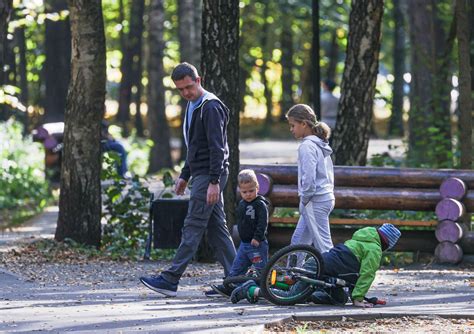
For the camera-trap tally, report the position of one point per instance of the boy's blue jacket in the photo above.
(367, 247)
(252, 219)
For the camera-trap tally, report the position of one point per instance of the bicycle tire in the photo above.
(277, 297)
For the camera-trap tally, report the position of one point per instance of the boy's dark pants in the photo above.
(340, 262)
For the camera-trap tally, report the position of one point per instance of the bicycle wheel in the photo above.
(282, 279)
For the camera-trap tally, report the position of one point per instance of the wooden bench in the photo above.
(366, 188)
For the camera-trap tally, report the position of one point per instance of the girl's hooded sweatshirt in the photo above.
(315, 170)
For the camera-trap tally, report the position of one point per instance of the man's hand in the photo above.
(180, 186)
(213, 192)
(362, 303)
(255, 243)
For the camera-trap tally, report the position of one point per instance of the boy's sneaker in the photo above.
(159, 284)
(242, 292)
(219, 290)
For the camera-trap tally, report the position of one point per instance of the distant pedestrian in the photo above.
(329, 103)
(109, 143)
(315, 178)
(205, 133)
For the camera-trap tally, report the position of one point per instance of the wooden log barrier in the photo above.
(449, 209)
(467, 242)
(453, 188)
(265, 184)
(356, 176)
(448, 252)
(372, 198)
(410, 241)
(449, 231)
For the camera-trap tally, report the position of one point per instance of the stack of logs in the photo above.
(371, 188)
(454, 221)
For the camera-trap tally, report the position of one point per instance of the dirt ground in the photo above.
(419, 324)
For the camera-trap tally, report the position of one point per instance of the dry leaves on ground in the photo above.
(407, 324)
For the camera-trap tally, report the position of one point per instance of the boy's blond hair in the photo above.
(247, 176)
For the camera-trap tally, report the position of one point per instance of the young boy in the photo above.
(252, 222)
(360, 255)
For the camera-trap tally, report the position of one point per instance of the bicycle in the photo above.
(294, 273)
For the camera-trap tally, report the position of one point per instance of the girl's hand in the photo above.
(362, 303)
(254, 243)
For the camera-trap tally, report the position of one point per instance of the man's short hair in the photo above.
(330, 84)
(247, 176)
(184, 69)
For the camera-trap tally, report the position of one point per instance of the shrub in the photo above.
(23, 188)
(126, 212)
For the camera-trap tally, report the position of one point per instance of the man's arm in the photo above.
(215, 119)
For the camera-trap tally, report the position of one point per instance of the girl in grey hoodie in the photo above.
(315, 178)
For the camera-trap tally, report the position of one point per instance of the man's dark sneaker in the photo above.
(219, 290)
(159, 284)
(242, 292)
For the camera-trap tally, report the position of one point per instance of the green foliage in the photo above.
(384, 214)
(397, 259)
(23, 189)
(138, 150)
(286, 212)
(385, 159)
(126, 212)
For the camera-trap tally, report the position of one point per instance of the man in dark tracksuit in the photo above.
(205, 133)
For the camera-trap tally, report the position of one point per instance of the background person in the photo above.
(109, 143)
(329, 103)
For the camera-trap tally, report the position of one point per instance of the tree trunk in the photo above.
(287, 67)
(316, 71)
(429, 122)
(80, 200)
(333, 55)
(220, 69)
(358, 83)
(22, 74)
(266, 57)
(57, 65)
(10, 63)
(129, 65)
(465, 89)
(189, 32)
(396, 120)
(5, 12)
(160, 155)
(246, 60)
(137, 68)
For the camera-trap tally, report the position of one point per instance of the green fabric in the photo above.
(251, 291)
(366, 246)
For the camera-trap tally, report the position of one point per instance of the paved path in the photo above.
(285, 151)
(78, 302)
(125, 306)
(74, 300)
